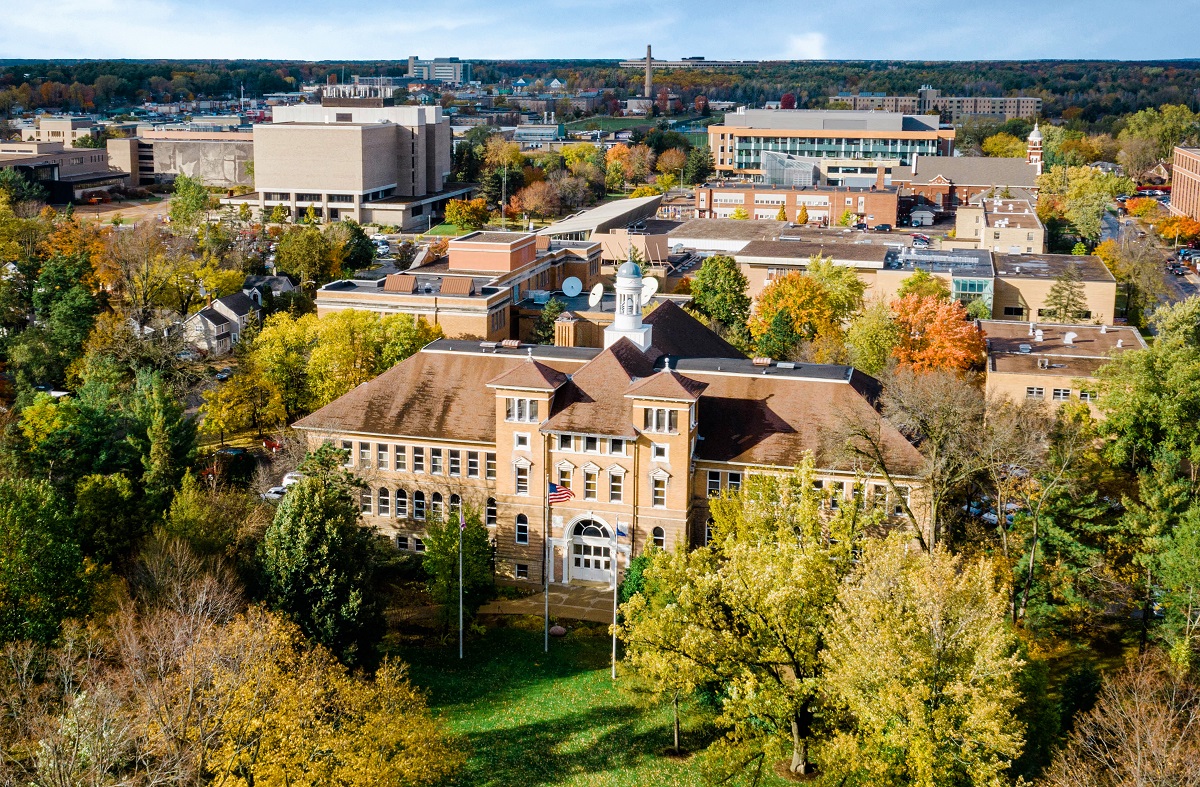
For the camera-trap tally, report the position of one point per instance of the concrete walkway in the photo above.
(573, 602)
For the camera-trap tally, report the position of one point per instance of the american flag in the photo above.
(560, 494)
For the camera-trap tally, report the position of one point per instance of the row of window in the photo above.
(389, 456)
(378, 502)
(1021, 311)
(1058, 394)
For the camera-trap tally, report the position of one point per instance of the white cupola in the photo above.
(627, 322)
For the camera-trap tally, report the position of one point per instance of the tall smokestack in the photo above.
(649, 75)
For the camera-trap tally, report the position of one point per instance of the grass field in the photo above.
(527, 718)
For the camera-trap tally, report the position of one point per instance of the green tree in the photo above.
(307, 253)
(923, 284)
(441, 564)
(161, 436)
(318, 560)
(349, 243)
(543, 329)
(244, 213)
(842, 286)
(42, 574)
(1079, 249)
(699, 166)
(1066, 301)
(780, 340)
(1178, 562)
(719, 291)
(922, 660)
(189, 202)
(110, 521)
(872, 337)
(847, 218)
(279, 215)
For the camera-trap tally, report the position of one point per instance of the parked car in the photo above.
(274, 493)
(882, 228)
(860, 226)
(224, 374)
(190, 356)
(921, 244)
(921, 236)
(378, 236)
(291, 478)
(232, 465)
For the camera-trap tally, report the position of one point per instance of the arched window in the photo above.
(660, 537)
(490, 512)
(522, 529)
(435, 505)
(365, 501)
(401, 504)
(418, 505)
(384, 502)
(455, 506)
(590, 529)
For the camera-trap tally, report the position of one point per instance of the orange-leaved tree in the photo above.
(804, 301)
(935, 334)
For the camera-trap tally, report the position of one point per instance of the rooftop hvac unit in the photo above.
(1070, 337)
(1038, 335)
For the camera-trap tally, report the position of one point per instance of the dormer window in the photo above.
(661, 420)
(522, 411)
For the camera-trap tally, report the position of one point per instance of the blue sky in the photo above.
(492, 29)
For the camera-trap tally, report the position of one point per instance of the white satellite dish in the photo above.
(596, 296)
(572, 286)
(649, 287)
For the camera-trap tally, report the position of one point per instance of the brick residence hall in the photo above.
(642, 432)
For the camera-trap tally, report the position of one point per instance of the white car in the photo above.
(274, 493)
(291, 478)
(378, 236)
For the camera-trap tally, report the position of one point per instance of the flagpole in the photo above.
(461, 525)
(546, 547)
(616, 558)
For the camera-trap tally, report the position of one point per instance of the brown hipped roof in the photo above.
(667, 385)
(594, 401)
(678, 334)
(531, 375)
(434, 395)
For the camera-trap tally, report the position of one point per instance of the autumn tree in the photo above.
(841, 284)
(782, 214)
(540, 199)
(872, 338)
(924, 284)
(671, 161)
(935, 334)
(500, 153)
(922, 662)
(1004, 145)
(467, 215)
(802, 216)
(802, 299)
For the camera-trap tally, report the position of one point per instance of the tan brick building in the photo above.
(825, 206)
(1050, 362)
(1009, 226)
(642, 437)
(1024, 280)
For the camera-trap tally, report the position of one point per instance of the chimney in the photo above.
(914, 164)
(649, 74)
(879, 178)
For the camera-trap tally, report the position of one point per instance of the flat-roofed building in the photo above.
(738, 144)
(946, 182)
(215, 158)
(619, 226)
(824, 206)
(1009, 226)
(474, 291)
(930, 100)
(65, 129)
(1023, 282)
(1049, 362)
(67, 174)
(1185, 183)
(362, 159)
(439, 69)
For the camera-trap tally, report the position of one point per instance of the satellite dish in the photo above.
(649, 287)
(596, 296)
(572, 286)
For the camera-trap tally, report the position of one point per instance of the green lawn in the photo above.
(527, 718)
(445, 229)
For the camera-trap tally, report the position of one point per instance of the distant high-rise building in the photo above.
(440, 69)
(930, 101)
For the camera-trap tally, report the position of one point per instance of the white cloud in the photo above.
(808, 46)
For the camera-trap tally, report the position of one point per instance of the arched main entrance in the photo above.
(591, 552)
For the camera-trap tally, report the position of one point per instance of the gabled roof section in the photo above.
(530, 376)
(239, 303)
(680, 335)
(213, 316)
(594, 401)
(667, 385)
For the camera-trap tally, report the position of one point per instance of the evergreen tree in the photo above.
(1066, 301)
(543, 329)
(780, 340)
(802, 216)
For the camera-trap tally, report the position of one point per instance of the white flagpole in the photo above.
(461, 525)
(615, 558)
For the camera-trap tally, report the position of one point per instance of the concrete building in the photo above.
(216, 158)
(1185, 183)
(475, 291)
(1049, 362)
(440, 69)
(1024, 280)
(67, 174)
(642, 434)
(739, 143)
(930, 101)
(824, 206)
(360, 159)
(1000, 225)
(67, 130)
